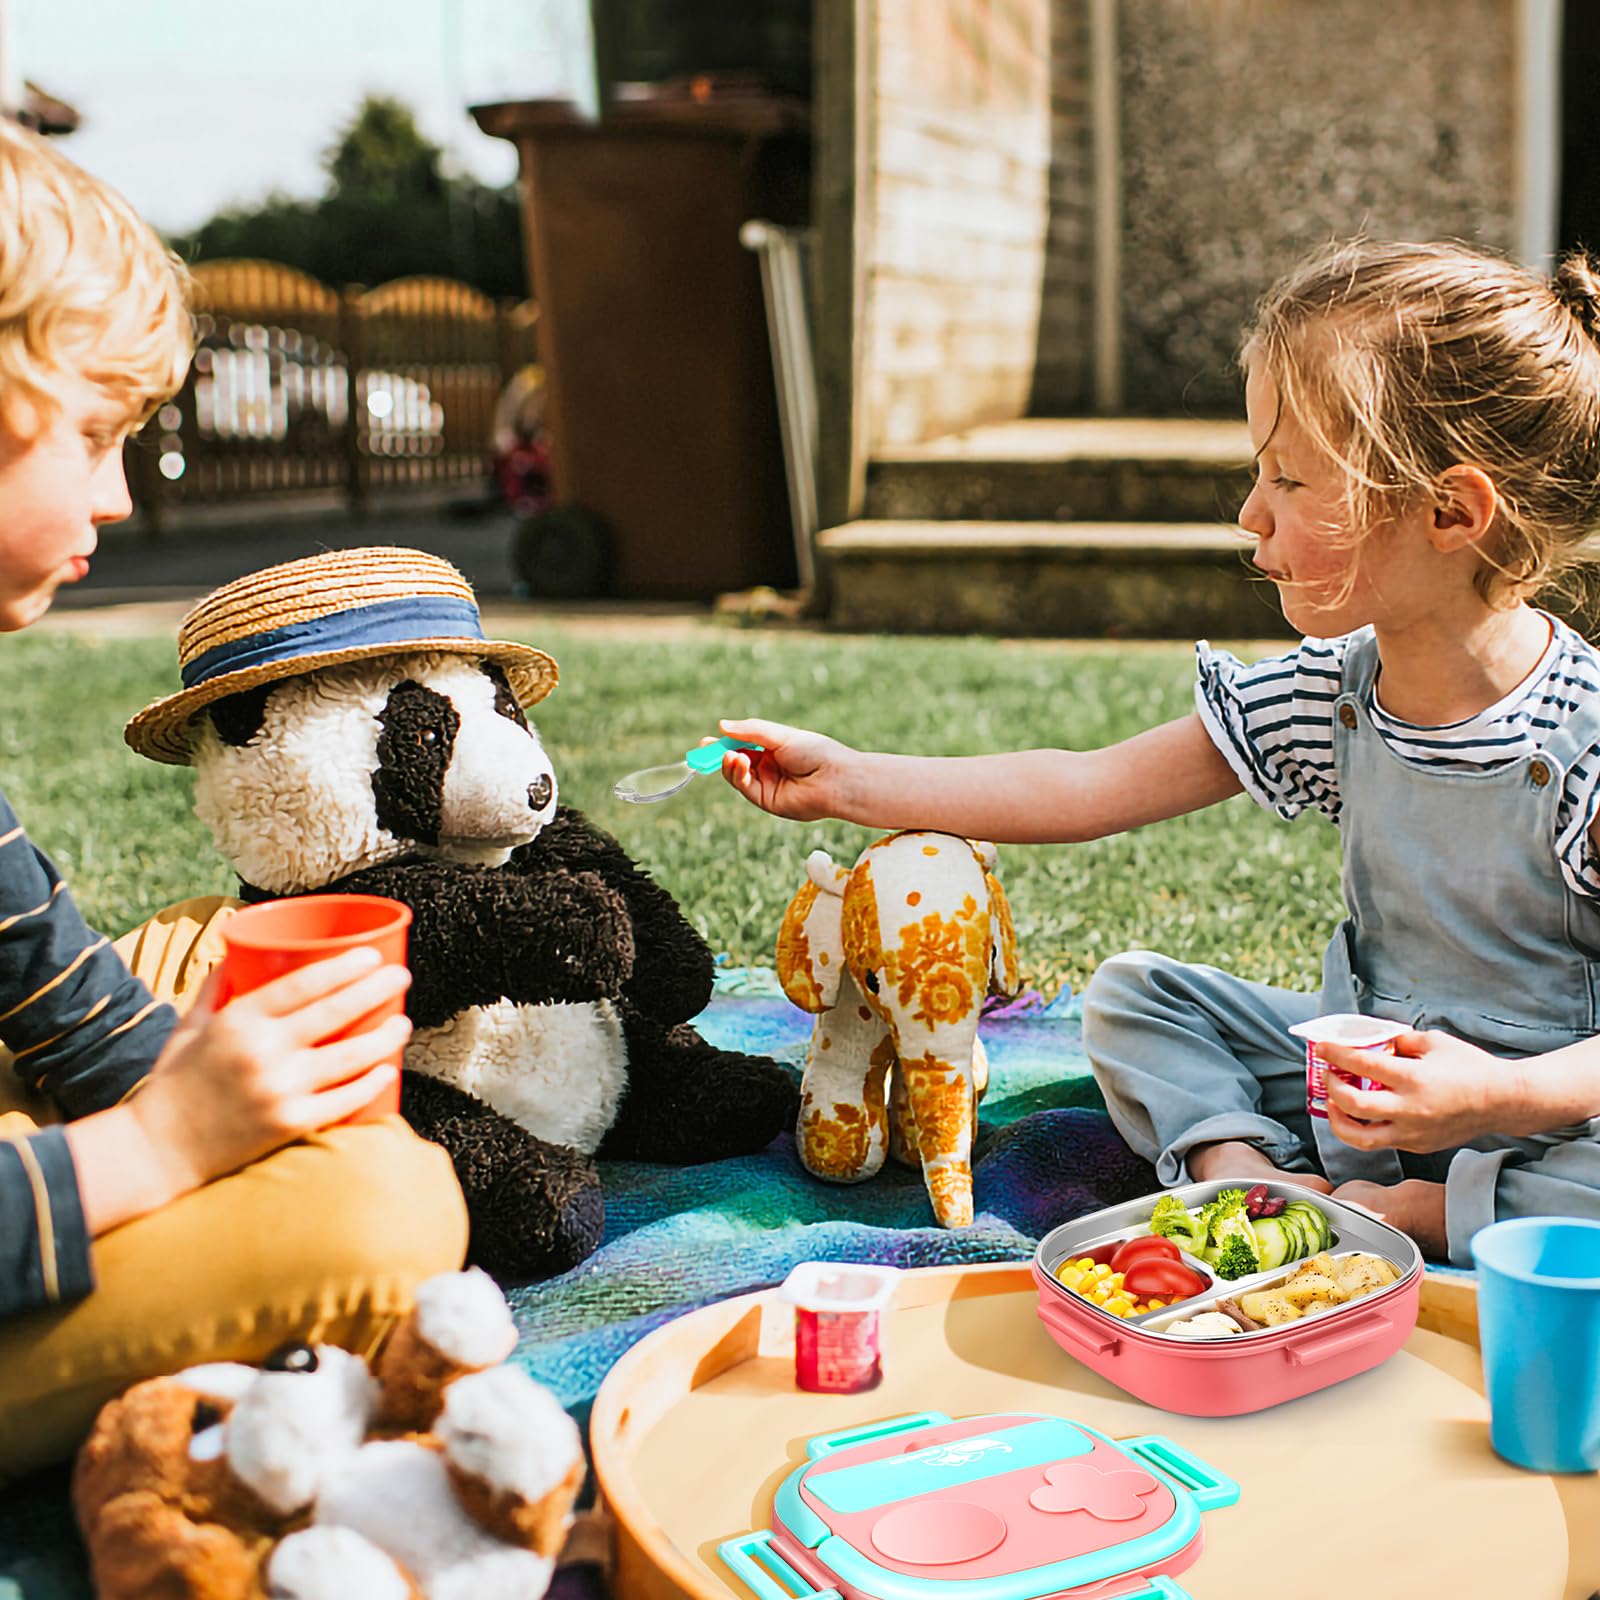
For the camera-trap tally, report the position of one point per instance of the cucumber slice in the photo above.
(1274, 1242)
(1313, 1222)
(1294, 1234)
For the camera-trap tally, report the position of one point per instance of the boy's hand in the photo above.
(233, 1085)
(1439, 1093)
(795, 774)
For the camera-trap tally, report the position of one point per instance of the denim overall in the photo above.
(1459, 920)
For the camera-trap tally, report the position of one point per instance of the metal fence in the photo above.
(297, 387)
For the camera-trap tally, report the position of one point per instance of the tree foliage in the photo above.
(389, 210)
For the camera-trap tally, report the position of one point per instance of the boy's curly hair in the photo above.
(86, 288)
(1402, 360)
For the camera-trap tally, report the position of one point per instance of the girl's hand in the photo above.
(235, 1084)
(795, 774)
(1439, 1093)
(1414, 1206)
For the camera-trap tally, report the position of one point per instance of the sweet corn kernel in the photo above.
(1119, 1305)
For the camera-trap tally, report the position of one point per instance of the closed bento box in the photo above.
(1323, 1314)
(997, 1507)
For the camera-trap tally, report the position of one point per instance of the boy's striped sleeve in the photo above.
(44, 1245)
(80, 1027)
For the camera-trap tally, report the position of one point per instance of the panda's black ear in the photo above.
(238, 717)
(505, 702)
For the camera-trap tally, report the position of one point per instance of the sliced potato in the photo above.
(1360, 1275)
(1312, 1288)
(1253, 1303)
(1275, 1310)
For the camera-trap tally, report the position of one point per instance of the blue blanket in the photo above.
(677, 1238)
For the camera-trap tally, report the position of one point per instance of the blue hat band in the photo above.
(410, 620)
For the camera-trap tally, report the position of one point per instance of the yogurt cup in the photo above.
(1349, 1028)
(838, 1347)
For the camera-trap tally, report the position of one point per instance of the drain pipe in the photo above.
(1106, 125)
(783, 288)
(1538, 141)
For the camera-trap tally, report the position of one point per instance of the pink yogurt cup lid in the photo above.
(1351, 1028)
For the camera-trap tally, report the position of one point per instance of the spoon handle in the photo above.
(708, 757)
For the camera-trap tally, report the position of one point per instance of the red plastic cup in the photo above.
(1351, 1028)
(267, 940)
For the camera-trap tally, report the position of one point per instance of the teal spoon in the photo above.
(656, 783)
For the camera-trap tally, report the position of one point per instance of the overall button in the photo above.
(1347, 715)
(1538, 774)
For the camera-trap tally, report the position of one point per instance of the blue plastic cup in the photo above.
(1539, 1328)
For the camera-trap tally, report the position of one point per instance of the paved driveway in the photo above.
(140, 585)
(129, 566)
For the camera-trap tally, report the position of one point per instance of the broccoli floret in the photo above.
(1171, 1220)
(1236, 1258)
(1236, 1226)
(1227, 1203)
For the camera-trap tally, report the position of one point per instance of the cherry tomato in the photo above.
(1167, 1280)
(1147, 1247)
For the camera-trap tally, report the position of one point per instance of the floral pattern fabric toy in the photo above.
(895, 955)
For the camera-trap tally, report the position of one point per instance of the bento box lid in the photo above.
(1006, 1506)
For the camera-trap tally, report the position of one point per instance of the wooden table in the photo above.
(1381, 1486)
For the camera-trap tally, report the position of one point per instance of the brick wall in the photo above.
(956, 214)
(1251, 131)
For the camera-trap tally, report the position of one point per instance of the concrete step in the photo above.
(1095, 580)
(1078, 469)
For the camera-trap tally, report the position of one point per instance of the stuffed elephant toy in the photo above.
(895, 956)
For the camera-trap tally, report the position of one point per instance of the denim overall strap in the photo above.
(1459, 917)
(1338, 1160)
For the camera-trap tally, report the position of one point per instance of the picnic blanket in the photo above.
(679, 1237)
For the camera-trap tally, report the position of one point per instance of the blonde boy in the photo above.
(171, 1195)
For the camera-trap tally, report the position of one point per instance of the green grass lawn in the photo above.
(1234, 885)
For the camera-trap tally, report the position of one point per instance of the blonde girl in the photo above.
(1426, 427)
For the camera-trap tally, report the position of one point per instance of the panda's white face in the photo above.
(310, 779)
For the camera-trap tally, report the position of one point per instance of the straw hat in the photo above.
(341, 606)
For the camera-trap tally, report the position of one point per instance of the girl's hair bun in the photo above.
(1577, 287)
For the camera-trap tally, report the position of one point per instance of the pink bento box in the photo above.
(1225, 1376)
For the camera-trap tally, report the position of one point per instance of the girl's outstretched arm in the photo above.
(1024, 797)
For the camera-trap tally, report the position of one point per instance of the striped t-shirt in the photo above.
(79, 1028)
(1273, 723)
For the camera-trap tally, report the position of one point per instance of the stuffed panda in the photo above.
(552, 979)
